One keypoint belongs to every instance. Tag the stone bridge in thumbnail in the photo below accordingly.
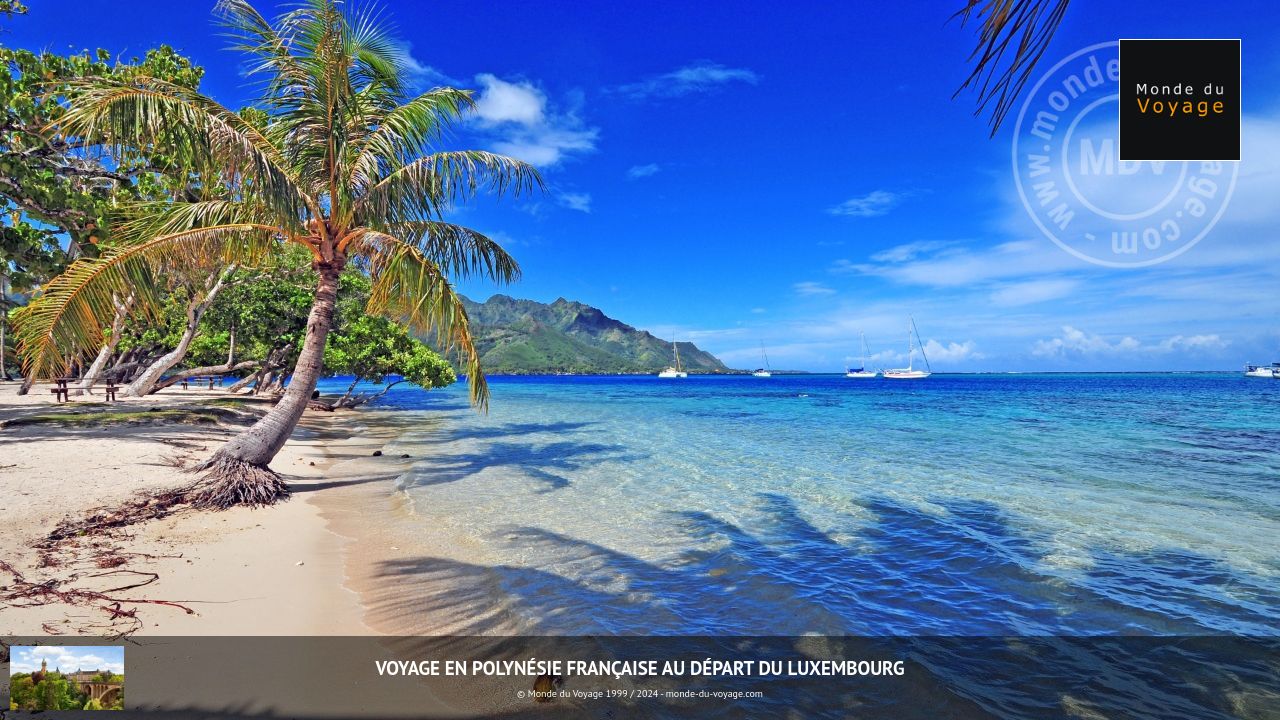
(104, 692)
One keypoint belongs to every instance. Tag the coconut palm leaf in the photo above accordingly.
(460, 252)
(1013, 36)
(429, 185)
(408, 287)
(405, 132)
(65, 321)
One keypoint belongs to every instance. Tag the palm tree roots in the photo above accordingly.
(228, 482)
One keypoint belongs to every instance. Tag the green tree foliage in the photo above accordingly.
(54, 692)
(57, 182)
(267, 309)
(21, 692)
(56, 193)
(9, 8)
(372, 348)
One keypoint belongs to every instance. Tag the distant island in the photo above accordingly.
(524, 337)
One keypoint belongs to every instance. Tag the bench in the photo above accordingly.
(202, 380)
(63, 393)
(60, 389)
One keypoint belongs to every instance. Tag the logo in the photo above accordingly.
(1082, 196)
(1180, 99)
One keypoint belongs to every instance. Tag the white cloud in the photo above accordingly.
(910, 251)
(575, 201)
(810, 288)
(952, 352)
(1194, 342)
(501, 101)
(1073, 341)
(696, 77)
(873, 204)
(424, 75)
(66, 659)
(758, 310)
(1031, 292)
(517, 117)
(945, 265)
(1078, 342)
(643, 171)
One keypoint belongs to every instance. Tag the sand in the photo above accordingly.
(313, 566)
(265, 571)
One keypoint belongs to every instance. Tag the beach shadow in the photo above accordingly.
(306, 487)
(964, 568)
(959, 587)
(543, 463)
(506, 430)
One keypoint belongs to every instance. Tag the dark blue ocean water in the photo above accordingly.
(970, 505)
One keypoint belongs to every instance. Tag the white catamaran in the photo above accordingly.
(909, 372)
(861, 371)
(676, 371)
(1263, 371)
(765, 371)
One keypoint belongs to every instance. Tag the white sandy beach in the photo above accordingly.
(302, 568)
(266, 571)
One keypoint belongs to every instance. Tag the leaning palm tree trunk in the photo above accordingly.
(238, 471)
(146, 383)
(94, 373)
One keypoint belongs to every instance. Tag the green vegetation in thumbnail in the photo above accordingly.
(35, 692)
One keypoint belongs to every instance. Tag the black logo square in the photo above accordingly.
(1180, 100)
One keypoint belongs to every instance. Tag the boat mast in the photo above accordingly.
(926, 357)
(764, 356)
(911, 349)
(676, 348)
(863, 337)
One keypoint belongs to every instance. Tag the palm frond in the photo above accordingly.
(458, 251)
(145, 113)
(409, 288)
(255, 36)
(406, 132)
(141, 221)
(66, 320)
(1013, 37)
(427, 186)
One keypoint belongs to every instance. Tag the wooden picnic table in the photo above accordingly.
(60, 389)
(63, 393)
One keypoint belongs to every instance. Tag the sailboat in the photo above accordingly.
(676, 371)
(909, 372)
(1262, 371)
(766, 370)
(861, 371)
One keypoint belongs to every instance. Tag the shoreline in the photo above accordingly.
(308, 567)
(279, 570)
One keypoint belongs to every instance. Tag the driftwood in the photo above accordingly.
(204, 371)
(21, 592)
(351, 400)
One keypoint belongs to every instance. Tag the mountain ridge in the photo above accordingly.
(525, 337)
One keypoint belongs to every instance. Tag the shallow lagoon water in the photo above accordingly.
(974, 505)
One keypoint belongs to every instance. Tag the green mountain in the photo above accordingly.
(523, 337)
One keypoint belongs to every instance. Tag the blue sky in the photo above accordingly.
(747, 171)
(67, 658)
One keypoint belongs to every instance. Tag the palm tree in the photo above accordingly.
(1013, 35)
(336, 157)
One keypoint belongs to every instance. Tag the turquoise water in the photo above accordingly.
(958, 505)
